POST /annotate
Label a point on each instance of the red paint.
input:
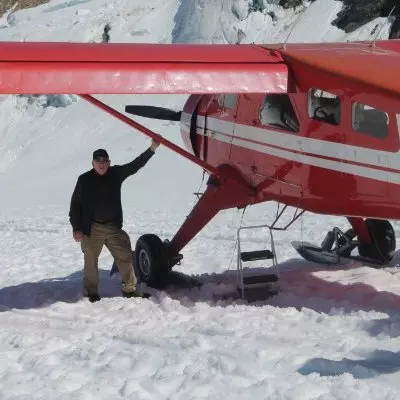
(135, 53)
(223, 192)
(90, 68)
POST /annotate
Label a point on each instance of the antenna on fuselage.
(294, 25)
(383, 25)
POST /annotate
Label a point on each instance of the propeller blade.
(154, 112)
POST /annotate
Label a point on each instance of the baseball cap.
(100, 153)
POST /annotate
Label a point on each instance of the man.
(96, 219)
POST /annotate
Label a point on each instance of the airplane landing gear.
(154, 258)
(337, 246)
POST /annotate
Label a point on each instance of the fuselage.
(333, 151)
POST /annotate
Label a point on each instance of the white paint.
(293, 146)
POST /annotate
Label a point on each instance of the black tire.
(383, 241)
(151, 264)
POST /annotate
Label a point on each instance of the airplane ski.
(316, 254)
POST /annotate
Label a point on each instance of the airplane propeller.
(154, 112)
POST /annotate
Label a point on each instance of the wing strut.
(150, 133)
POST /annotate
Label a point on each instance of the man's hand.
(77, 236)
(154, 145)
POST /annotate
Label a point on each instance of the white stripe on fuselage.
(292, 147)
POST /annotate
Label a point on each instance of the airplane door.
(352, 146)
(373, 141)
(242, 153)
(266, 140)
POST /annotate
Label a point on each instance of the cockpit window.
(277, 110)
(230, 101)
(370, 120)
(227, 101)
(324, 106)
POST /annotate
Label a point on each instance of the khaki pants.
(118, 243)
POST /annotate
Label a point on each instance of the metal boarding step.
(256, 255)
(259, 286)
(259, 280)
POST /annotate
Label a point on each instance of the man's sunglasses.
(101, 159)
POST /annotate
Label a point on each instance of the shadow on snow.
(300, 287)
(43, 293)
(376, 363)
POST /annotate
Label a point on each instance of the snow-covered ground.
(331, 333)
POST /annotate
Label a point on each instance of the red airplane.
(311, 126)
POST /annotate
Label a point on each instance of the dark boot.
(135, 294)
(93, 297)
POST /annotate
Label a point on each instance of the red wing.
(90, 68)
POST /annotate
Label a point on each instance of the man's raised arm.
(139, 162)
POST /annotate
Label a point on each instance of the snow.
(331, 333)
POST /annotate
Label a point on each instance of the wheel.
(383, 241)
(151, 264)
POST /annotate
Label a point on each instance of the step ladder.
(260, 285)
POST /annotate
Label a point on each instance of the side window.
(370, 120)
(324, 106)
(277, 110)
(227, 101)
(230, 101)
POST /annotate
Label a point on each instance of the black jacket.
(93, 192)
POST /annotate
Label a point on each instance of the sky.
(330, 333)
